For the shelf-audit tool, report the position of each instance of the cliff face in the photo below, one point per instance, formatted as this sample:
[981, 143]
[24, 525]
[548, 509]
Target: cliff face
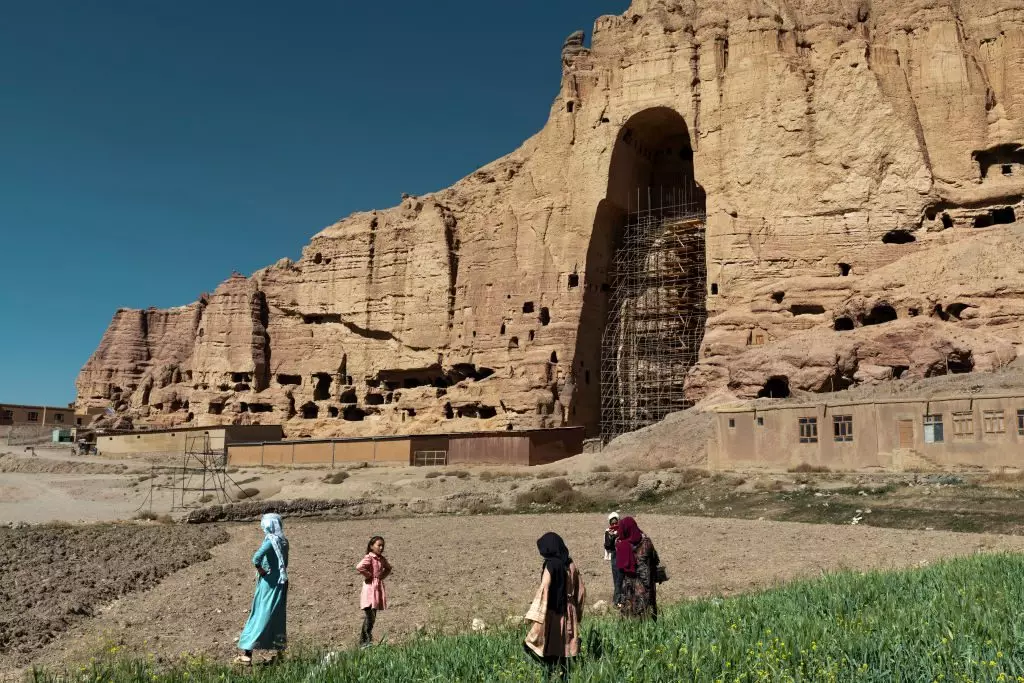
[861, 165]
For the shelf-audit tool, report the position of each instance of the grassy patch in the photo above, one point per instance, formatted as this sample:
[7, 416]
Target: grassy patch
[626, 480]
[499, 475]
[693, 474]
[808, 468]
[546, 493]
[954, 621]
[1004, 476]
[336, 477]
[250, 492]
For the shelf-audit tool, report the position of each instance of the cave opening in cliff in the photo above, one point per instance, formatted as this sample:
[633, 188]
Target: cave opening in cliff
[645, 329]
[322, 388]
[777, 386]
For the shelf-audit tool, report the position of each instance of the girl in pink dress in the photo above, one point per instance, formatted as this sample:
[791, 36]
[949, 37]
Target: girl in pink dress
[374, 568]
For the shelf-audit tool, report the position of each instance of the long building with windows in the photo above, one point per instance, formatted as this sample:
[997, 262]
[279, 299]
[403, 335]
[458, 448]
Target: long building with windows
[893, 434]
[12, 414]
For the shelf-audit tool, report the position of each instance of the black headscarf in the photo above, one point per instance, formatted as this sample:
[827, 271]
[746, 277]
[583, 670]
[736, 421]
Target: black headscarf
[556, 561]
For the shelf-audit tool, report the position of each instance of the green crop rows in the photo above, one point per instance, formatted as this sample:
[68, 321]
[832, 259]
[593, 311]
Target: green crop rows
[961, 620]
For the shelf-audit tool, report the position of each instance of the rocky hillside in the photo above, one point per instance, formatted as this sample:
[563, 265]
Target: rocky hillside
[863, 171]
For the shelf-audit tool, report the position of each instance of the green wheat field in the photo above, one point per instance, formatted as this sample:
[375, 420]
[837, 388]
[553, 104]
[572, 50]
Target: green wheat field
[961, 620]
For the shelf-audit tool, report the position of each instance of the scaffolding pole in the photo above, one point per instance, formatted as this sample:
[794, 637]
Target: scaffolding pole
[657, 310]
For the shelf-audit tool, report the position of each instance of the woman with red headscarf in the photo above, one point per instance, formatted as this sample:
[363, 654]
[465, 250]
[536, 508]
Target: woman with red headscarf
[637, 559]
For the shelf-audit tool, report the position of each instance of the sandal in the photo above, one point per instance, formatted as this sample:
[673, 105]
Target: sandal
[243, 660]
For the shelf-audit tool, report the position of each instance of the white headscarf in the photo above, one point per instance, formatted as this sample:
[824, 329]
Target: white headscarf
[271, 525]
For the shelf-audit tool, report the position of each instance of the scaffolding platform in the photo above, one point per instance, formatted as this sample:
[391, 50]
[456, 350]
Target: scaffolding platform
[657, 313]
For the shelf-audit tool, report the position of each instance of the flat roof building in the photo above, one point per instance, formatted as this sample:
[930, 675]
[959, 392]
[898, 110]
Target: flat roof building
[894, 434]
[526, 447]
[181, 439]
[14, 414]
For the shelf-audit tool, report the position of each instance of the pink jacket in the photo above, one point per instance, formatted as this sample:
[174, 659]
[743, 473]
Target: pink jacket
[375, 569]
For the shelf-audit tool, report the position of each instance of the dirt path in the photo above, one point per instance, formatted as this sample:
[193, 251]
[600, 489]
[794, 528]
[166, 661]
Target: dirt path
[37, 498]
[451, 569]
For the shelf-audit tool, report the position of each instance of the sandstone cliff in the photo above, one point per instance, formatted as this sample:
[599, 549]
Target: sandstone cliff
[862, 164]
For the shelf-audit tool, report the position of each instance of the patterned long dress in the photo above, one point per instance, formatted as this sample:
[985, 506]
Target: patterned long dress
[552, 635]
[639, 591]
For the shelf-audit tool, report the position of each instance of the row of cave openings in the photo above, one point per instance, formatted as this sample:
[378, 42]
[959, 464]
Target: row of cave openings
[1003, 215]
[383, 389]
[957, 362]
[884, 313]
[543, 317]
[878, 314]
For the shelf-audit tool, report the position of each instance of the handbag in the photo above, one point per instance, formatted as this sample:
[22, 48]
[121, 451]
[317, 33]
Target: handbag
[660, 575]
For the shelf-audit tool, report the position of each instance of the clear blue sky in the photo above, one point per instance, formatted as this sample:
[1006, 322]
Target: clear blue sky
[148, 149]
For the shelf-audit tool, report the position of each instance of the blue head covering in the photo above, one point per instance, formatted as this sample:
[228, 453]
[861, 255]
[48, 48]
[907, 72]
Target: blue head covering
[271, 525]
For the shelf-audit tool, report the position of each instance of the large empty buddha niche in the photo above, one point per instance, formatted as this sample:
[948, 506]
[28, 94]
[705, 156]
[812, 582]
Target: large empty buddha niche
[648, 243]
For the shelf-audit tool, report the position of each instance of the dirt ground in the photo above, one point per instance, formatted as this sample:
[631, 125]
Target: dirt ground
[718, 533]
[55, 486]
[449, 570]
[57, 575]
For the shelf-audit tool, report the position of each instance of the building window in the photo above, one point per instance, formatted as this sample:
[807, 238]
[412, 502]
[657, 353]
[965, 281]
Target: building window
[963, 425]
[760, 421]
[808, 429]
[9, 414]
[427, 458]
[732, 423]
[1020, 422]
[933, 429]
[33, 416]
[59, 417]
[993, 421]
[842, 427]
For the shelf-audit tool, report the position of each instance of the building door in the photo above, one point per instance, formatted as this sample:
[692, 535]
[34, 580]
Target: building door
[906, 433]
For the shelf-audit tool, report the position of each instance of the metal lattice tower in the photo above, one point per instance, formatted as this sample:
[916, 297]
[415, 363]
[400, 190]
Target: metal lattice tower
[657, 311]
[201, 478]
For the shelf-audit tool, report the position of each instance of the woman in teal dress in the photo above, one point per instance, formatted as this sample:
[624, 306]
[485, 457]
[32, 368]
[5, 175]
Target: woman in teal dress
[266, 628]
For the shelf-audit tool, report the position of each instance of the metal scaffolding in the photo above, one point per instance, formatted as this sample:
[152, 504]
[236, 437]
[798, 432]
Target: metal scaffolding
[201, 478]
[656, 312]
